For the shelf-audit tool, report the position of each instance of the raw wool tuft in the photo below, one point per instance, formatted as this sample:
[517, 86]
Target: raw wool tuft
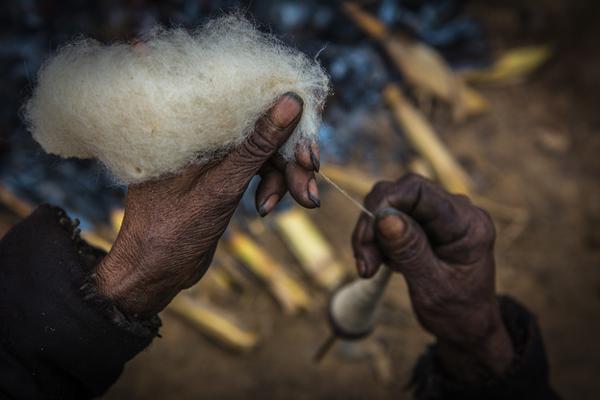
[150, 109]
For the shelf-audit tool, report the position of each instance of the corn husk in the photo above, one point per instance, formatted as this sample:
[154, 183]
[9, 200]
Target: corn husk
[513, 66]
[310, 248]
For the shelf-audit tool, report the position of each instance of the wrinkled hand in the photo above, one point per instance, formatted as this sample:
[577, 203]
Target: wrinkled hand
[172, 225]
[443, 246]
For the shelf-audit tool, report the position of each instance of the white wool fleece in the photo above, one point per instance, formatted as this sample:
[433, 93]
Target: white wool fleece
[150, 109]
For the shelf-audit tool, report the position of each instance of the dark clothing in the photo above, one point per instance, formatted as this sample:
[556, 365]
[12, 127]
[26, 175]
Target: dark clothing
[60, 339]
[526, 379]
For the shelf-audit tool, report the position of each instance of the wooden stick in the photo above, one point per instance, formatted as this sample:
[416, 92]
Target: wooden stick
[289, 293]
[425, 141]
[311, 249]
[210, 321]
[421, 65]
[20, 207]
[23, 208]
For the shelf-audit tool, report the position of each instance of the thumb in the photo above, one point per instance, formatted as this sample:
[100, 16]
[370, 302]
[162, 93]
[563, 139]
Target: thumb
[270, 133]
[403, 243]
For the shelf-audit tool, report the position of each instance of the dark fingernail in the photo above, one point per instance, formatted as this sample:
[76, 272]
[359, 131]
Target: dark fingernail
[268, 205]
[386, 212]
[286, 110]
[313, 192]
[362, 268]
[314, 156]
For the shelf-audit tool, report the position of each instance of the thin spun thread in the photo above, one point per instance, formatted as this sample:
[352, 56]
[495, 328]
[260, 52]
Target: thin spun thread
[346, 195]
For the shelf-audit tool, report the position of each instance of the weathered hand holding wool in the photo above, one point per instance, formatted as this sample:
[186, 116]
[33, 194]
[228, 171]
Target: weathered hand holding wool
[150, 109]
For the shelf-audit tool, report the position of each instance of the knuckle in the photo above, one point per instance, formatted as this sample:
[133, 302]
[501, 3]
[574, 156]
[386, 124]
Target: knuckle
[260, 145]
[487, 229]
[461, 200]
[379, 187]
[412, 179]
[408, 251]
[377, 194]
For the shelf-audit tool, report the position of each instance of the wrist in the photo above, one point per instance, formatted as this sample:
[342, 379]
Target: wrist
[125, 278]
[488, 357]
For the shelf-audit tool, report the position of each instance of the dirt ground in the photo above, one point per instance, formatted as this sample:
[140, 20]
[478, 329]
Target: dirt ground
[536, 150]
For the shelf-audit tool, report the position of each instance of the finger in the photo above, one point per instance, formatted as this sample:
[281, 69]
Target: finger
[458, 231]
[270, 191]
[308, 156]
[444, 217]
[271, 131]
[404, 244]
[366, 251]
[302, 185]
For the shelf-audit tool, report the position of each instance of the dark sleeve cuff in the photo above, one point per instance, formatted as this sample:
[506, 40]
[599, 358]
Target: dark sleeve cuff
[58, 337]
[527, 377]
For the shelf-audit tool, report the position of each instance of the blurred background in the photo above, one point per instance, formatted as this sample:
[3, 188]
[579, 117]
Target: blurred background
[495, 99]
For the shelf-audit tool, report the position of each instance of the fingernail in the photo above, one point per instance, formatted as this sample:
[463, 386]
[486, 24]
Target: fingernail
[313, 192]
[314, 156]
[286, 110]
[362, 268]
[386, 212]
[268, 205]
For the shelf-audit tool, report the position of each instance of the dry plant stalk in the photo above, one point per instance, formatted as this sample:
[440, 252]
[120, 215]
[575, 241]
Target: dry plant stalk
[20, 207]
[96, 240]
[310, 248]
[425, 141]
[421, 65]
[23, 208]
[212, 322]
[421, 167]
[289, 293]
[217, 277]
[513, 66]
[229, 265]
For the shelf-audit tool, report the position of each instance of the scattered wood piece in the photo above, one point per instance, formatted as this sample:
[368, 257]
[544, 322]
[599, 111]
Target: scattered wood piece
[209, 320]
[216, 277]
[310, 248]
[116, 219]
[96, 240]
[289, 293]
[20, 207]
[427, 143]
[228, 263]
[422, 66]
[514, 66]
